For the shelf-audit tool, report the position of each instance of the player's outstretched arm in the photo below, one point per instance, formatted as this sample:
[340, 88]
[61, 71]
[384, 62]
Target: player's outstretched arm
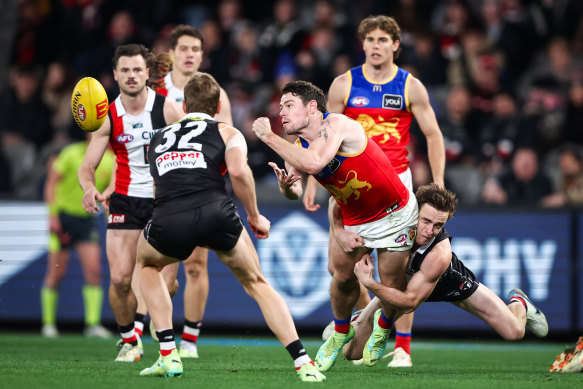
[86, 173]
[420, 285]
[310, 160]
[242, 179]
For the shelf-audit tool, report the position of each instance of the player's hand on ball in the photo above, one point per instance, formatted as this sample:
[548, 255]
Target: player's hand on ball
[262, 127]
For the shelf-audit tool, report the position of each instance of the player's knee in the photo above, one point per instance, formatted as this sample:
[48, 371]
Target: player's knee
[345, 283]
[122, 283]
[194, 272]
[514, 333]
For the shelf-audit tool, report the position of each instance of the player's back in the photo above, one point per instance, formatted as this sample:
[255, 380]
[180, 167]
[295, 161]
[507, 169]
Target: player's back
[186, 160]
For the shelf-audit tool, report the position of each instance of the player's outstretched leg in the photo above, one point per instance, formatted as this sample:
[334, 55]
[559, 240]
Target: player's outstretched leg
[535, 319]
[375, 346]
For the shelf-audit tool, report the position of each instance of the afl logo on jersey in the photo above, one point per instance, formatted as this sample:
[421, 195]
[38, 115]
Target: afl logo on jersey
[81, 114]
[392, 101]
[124, 138]
[359, 101]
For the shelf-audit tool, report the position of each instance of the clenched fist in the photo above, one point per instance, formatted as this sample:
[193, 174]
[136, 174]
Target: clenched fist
[262, 127]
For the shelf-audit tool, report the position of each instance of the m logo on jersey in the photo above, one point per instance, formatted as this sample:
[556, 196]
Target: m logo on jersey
[359, 101]
[124, 138]
[392, 101]
[137, 125]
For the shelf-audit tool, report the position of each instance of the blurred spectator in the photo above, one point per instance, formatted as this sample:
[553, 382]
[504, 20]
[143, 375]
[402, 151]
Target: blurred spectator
[556, 63]
[485, 84]
[122, 30]
[524, 185]
[463, 66]
[450, 20]
[570, 190]
[457, 135]
[229, 17]
[426, 59]
[36, 27]
[216, 54]
[56, 94]
[497, 138]
[574, 115]
[244, 67]
[24, 125]
[508, 26]
[326, 13]
[544, 116]
[317, 57]
[284, 33]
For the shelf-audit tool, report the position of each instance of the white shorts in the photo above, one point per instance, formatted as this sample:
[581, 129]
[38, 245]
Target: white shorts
[395, 232]
[407, 179]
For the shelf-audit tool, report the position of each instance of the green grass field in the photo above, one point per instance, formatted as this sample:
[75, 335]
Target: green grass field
[30, 361]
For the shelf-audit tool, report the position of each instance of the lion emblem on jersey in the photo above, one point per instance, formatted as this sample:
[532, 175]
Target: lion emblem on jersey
[351, 187]
[380, 128]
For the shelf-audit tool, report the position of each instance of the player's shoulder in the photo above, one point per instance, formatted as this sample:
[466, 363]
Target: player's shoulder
[440, 252]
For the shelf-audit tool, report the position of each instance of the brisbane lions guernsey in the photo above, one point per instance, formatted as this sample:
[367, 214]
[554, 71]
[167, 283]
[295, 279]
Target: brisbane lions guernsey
[170, 90]
[186, 160]
[365, 185]
[129, 140]
[383, 111]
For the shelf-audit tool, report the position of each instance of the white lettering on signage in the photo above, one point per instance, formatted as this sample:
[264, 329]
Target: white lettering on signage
[500, 265]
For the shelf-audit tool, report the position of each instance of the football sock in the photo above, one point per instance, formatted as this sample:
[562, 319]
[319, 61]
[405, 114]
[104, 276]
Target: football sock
[139, 320]
[384, 322]
[128, 334]
[49, 298]
[403, 340]
[342, 326]
[191, 331]
[298, 353]
[516, 299]
[166, 338]
[92, 299]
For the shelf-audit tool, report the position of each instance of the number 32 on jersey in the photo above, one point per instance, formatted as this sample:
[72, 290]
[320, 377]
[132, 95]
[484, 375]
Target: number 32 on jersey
[186, 154]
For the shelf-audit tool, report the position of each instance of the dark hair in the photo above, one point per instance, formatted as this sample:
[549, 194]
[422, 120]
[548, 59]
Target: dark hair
[384, 23]
[181, 30]
[202, 93]
[438, 197]
[307, 92]
[159, 65]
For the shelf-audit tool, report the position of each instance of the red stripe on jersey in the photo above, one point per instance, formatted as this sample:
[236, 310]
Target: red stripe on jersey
[122, 173]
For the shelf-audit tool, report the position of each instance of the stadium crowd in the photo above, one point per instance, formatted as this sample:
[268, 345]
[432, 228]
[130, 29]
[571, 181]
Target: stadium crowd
[505, 79]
